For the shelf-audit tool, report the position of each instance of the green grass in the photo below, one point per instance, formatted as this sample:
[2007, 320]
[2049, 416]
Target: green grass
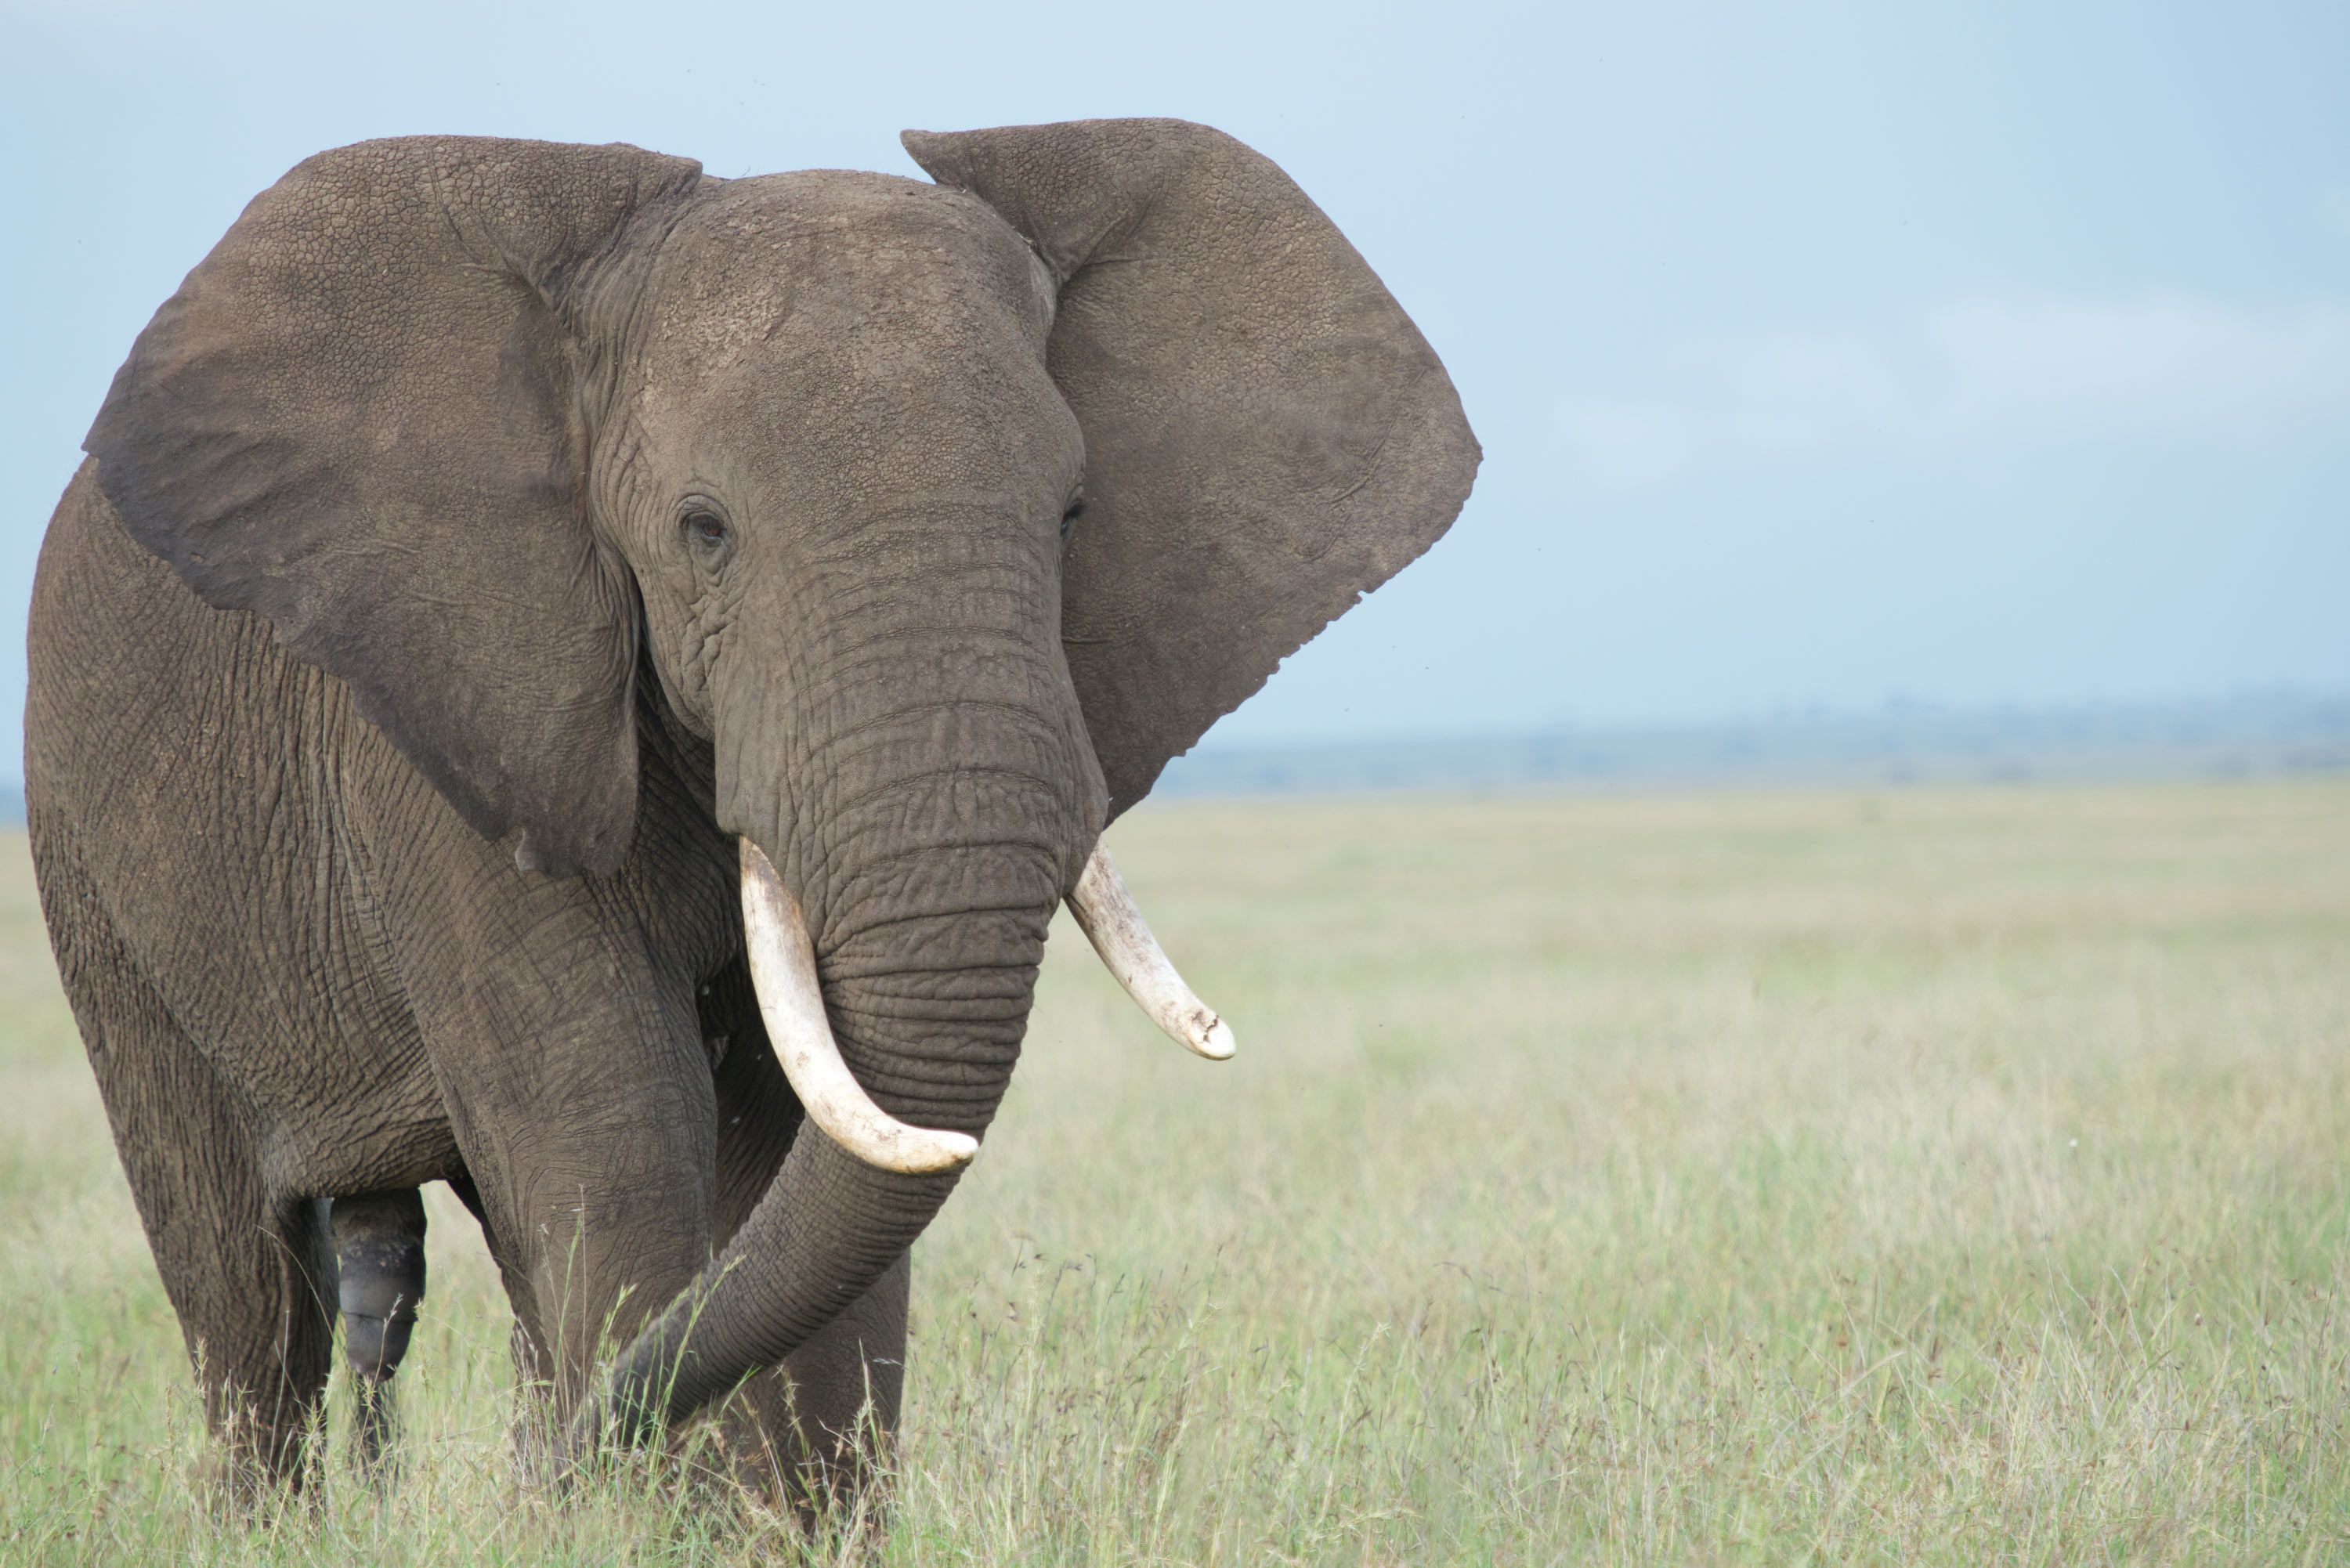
[1946, 1177]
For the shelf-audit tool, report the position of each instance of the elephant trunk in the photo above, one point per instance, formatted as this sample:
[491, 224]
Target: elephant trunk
[791, 1004]
[926, 906]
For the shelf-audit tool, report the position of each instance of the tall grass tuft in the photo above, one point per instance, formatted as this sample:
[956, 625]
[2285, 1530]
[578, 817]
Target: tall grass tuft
[1939, 1177]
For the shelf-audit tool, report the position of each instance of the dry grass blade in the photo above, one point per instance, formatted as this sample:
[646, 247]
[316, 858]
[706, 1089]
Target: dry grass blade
[1930, 1177]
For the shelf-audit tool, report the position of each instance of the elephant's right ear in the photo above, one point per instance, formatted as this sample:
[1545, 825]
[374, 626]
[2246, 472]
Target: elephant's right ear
[357, 419]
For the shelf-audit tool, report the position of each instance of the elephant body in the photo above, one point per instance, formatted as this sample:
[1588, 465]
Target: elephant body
[260, 1043]
[496, 551]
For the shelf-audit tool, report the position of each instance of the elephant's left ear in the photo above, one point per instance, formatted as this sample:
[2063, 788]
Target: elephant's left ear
[1268, 435]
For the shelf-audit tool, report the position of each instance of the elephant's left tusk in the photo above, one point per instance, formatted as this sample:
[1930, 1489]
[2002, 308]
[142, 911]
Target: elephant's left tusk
[1106, 913]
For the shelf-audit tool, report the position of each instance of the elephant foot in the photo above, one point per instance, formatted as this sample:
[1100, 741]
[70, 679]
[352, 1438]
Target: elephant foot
[379, 1241]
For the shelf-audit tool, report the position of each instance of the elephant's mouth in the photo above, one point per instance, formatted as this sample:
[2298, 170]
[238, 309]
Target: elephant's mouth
[791, 1001]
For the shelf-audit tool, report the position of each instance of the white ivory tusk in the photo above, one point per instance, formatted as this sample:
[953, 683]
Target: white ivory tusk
[1106, 913]
[782, 972]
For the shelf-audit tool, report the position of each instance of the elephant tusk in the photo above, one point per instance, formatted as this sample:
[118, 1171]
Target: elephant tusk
[1106, 913]
[782, 972]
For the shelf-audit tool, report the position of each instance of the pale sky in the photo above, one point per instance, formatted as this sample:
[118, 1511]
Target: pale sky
[1820, 354]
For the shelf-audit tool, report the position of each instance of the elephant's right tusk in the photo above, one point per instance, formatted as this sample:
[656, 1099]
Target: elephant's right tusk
[1106, 913]
[783, 971]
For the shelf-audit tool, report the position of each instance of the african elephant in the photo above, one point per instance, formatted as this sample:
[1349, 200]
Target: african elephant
[559, 669]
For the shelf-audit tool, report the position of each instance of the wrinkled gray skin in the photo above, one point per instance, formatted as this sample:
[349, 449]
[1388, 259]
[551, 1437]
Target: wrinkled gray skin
[487, 533]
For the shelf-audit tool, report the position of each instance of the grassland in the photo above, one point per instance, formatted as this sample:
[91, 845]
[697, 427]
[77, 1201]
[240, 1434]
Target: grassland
[1952, 1177]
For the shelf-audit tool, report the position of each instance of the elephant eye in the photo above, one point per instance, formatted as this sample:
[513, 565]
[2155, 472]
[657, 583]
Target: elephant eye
[1069, 518]
[703, 529]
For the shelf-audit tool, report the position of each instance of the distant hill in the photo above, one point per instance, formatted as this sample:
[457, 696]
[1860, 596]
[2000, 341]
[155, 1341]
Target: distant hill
[1902, 743]
[2260, 736]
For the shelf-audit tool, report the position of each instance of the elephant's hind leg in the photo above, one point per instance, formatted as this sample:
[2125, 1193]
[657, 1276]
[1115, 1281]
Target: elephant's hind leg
[379, 1241]
[241, 1264]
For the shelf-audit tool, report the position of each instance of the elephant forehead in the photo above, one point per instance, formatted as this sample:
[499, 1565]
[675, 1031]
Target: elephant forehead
[881, 264]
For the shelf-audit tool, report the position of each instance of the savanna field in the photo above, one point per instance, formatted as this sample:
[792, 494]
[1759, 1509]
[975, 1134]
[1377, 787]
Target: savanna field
[1950, 1177]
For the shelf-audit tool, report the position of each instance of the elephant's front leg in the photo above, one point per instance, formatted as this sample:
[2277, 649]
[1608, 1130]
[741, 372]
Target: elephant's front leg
[814, 1430]
[597, 1221]
[579, 1092]
[597, 1227]
[848, 1384]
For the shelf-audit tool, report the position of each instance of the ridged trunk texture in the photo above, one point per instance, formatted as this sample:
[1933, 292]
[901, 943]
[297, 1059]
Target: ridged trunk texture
[929, 842]
[928, 1006]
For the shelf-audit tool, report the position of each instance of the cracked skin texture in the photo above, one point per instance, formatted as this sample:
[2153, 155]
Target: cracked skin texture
[389, 728]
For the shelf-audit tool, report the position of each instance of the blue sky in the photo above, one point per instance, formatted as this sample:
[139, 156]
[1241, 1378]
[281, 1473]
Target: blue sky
[1821, 354]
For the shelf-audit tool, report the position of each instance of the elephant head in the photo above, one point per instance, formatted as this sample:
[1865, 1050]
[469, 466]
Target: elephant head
[946, 514]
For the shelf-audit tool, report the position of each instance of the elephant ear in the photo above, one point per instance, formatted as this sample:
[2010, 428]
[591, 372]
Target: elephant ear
[357, 419]
[1268, 437]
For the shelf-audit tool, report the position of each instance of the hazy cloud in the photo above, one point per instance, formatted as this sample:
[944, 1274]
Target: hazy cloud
[1974, 374]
